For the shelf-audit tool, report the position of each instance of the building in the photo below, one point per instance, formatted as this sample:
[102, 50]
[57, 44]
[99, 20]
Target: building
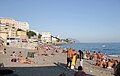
[34, 39]
[46, 37]
[9, 28]
[21, 33]
[12, 22]
[23, 25]
[54, 39]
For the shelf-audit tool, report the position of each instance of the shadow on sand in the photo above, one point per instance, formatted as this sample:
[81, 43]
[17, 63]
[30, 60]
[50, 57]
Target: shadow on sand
[56, 70]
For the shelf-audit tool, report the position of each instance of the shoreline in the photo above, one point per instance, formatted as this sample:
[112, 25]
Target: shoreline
[105, 48]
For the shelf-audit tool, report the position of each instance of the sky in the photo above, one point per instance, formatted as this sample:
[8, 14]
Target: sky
[84, 20]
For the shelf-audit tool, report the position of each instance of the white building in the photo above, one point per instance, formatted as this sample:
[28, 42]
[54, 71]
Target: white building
[12, 22]
[23, 25]
[9, 28]
[46, 37]
[54, 39]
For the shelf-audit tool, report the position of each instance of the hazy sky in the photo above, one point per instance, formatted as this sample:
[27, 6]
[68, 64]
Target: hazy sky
[85, 20]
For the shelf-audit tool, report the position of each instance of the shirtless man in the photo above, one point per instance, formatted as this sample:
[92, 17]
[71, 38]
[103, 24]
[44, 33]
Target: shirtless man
[69, 57]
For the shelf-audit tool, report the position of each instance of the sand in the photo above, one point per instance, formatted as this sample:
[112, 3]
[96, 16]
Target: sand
[51, 65]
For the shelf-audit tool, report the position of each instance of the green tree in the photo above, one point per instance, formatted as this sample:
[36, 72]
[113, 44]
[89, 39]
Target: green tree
[67, 40]
[30, 34]
[19, 29]
[39, 36]
[58, 40]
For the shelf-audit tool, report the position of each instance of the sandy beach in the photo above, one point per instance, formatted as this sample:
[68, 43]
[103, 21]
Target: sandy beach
[51, 65]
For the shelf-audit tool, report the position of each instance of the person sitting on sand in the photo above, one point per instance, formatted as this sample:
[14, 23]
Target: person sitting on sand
[80, 72]
[115, 62]
[102, 63]
[28, 60]
[99, 55]
[94, 56]
[13, 54]
[110, 64]
[64, 50]
[88, 55]
[20, 54]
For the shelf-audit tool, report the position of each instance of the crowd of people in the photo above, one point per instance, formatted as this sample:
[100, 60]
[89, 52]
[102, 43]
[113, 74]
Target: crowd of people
[98, 59]
[72, 57]
[18, 58]
[48, 49]
[101, 60]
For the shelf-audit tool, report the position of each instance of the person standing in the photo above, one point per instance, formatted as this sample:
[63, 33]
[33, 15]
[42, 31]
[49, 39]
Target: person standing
[81, 57]
[69, 57]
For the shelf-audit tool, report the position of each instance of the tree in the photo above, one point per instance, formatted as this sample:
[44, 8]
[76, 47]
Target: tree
[19, 29]
[67, 40]
[39, 36]
[30, 34]
[58, 40]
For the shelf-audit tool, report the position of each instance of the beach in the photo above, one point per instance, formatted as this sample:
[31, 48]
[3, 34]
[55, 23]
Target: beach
[50, 65]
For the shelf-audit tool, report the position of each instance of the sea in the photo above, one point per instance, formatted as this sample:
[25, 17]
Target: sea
[105, 48]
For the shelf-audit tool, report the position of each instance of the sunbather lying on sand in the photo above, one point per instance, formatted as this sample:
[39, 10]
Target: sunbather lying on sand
[25, 61]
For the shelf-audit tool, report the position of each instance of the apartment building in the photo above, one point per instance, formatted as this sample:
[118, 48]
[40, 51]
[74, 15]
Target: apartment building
[46, 37]
[9, 27]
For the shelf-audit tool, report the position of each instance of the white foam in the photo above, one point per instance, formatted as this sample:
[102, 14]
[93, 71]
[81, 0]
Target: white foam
[114, 55]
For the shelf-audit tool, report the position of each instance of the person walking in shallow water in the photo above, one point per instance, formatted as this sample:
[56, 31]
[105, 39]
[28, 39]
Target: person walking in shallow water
[80, 72]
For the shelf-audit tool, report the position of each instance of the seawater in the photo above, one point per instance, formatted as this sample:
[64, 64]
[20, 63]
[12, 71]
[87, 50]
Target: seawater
[108, 48]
